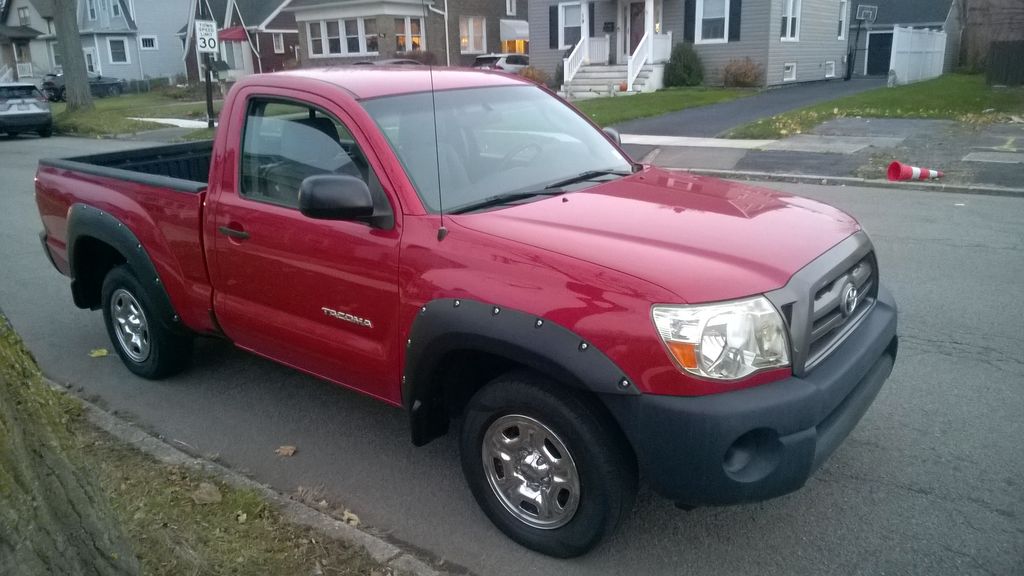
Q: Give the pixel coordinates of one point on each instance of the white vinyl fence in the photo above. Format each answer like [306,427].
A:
[916,55]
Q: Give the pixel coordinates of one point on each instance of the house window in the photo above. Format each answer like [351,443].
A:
[789,72]
[23,17]
[510,7]
[148,42]
[408,34]
[278,43]
[570,25]
[115,7]
[91,6]
[830,69]
[351,37]
[58,57]
[118,50]
[711,21]
[844,15]
[790,20]
[472,35]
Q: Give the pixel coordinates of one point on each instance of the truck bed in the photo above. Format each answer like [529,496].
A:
[181,167]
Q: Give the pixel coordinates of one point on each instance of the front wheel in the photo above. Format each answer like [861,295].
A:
[146,346]
[546,464]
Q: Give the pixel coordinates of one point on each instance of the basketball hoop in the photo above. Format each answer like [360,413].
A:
[867,13]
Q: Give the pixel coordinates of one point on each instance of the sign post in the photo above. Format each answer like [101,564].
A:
[206,44]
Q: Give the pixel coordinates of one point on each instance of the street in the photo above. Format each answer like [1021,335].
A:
[930,482]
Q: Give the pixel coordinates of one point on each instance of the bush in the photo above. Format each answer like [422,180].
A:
[744,73]
[684,67]
[535,75]
[425,57]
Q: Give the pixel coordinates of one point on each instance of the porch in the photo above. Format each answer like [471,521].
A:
[630,50]
[15,53]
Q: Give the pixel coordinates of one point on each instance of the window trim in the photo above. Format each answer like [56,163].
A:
[698,36]
[115,8]
[470,49]
[277,39]
[326,53]
[110,51]
[90,8]
[844,18]
[423,33]
[510,7]
[788,78]
[832,64]
[561,24]
[24,18]
[795,11]
[156,43]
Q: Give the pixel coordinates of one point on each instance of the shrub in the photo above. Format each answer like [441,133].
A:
[422,56]
[535,75]
[744,73]
[684,67]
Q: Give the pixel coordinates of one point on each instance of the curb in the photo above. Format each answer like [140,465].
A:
[852,181]
[390,555]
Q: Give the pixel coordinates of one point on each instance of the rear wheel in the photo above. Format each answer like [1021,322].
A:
[545,464]
[145,345]
[46,132]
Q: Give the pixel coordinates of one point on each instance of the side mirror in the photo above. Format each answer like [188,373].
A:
[331,197]
[614,134]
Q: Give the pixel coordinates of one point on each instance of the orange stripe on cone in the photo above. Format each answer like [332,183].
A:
[900,171]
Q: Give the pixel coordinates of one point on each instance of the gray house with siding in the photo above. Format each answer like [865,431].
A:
[630,40]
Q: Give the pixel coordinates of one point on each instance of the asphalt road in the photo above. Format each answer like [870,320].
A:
[930,482]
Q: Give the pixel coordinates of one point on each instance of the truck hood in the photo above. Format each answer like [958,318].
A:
[700,238]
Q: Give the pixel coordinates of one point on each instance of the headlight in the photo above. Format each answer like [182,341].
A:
[725,341]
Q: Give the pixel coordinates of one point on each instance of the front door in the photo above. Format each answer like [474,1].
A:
[636,25]
[879,53]
[320,295]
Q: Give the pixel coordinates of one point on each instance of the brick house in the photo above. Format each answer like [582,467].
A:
[349,31]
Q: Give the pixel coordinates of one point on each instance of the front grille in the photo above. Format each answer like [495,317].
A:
[830,323]
[818,303]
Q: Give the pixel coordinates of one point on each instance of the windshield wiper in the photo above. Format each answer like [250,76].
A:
[505,199]
[584,176]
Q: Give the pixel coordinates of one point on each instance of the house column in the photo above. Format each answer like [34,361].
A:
[649,28]
[585,30]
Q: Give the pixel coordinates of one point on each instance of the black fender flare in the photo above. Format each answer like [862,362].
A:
[448,325]
[85,221]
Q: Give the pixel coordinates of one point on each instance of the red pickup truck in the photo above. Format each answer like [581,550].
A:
[468,247]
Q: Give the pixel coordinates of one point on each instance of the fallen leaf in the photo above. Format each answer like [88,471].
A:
[206,494]
[350,518]
[286,451]
[98,353]
[241,517]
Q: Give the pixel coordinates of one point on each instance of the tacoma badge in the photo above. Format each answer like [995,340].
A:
[347,317]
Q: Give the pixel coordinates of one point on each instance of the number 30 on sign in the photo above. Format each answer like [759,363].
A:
[206,36]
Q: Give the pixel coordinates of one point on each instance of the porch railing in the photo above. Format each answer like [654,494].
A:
[600,49]
[24,70]
[637,59]
[662,48]
[572,64]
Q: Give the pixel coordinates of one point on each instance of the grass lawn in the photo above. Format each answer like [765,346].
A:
[954,96]
[111,115]
[608,111]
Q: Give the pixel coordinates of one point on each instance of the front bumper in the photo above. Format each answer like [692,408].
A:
[760,442]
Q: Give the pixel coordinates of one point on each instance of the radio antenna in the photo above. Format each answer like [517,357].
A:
[442,231]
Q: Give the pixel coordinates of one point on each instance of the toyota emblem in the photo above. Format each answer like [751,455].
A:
[849,301]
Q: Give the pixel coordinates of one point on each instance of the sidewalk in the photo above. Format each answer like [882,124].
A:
[970,156]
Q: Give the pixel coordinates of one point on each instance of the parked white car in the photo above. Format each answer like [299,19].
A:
[508,62]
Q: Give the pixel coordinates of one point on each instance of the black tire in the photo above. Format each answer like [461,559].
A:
[160,352]
[62,95]
[46,132]
[604,463]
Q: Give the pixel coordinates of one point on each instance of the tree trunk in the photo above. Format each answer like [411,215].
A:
[76,79]
[53,517]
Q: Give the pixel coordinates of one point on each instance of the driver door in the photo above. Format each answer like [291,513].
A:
[319,295]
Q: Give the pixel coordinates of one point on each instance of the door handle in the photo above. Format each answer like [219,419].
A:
[232,233]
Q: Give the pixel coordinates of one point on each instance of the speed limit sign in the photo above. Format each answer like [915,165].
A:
[206,36]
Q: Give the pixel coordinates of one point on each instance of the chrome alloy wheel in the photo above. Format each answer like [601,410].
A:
[131,327]
[531,471]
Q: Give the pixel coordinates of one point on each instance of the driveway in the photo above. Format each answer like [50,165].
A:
[716,119]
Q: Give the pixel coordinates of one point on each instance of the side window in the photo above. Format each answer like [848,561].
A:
[285,142]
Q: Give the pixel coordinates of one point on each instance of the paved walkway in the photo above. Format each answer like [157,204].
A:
[716,119]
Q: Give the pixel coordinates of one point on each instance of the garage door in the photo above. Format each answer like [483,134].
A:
[879,52]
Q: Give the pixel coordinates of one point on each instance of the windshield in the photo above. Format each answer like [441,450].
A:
[490,142]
